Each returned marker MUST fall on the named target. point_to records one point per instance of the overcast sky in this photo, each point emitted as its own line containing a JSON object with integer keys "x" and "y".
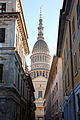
{"x": 50, "y": 15}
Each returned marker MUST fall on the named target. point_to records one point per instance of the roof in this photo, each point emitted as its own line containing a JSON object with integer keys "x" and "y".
{"x": 39, "y": 46}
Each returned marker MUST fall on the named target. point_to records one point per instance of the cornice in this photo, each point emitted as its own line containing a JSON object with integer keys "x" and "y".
{"x": 36, "y": 54}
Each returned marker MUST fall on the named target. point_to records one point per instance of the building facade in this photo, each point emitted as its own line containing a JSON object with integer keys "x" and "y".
{"x": 40, "y": 66}
{"x": 68, "y": 47}
{"x": 54, "y": 93}
{"x": 15, "y": 87}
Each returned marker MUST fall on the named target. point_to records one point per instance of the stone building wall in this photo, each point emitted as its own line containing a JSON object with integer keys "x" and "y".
{"x": 16, "y": 88}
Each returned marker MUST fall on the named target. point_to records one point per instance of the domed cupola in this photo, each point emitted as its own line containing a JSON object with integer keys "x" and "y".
{"x": 40, "y": 46}
{"x": 40, "y": 58}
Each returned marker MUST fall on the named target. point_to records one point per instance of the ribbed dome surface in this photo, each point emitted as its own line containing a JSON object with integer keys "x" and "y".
{"x": 40, "y": 45}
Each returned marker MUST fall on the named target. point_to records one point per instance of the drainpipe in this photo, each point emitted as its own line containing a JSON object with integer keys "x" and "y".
{"x": 72, "y": 74}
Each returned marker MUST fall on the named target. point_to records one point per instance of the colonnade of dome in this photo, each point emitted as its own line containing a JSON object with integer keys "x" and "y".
{"x": 38, "y": 73}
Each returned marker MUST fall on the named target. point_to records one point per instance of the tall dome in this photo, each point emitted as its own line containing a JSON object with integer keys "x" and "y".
{"x": 40, "y": 68}
{"x": 40, "y": 58}
{"x": 40, "y": 46}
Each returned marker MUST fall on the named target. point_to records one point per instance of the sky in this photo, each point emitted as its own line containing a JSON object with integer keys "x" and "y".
{"x": 50, "y": 16}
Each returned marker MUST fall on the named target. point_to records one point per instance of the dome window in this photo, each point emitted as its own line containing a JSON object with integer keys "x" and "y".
{"x": 37, "y": 74}
{"x": 43, "y": 74}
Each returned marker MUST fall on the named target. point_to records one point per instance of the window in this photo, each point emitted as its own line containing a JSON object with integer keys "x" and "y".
{"x": 37, "y": 74}
{"x": 65, "y": 84}
{"x": 2, "y": 7}
{"x": 43, "y": 73}
{"x": 39, "y": 94}
{"x": 18, "y": 81}
{"x": 73, "y": 28}
{"x": 64, "y": 58}
{"x": 2, "y": 35}
{"x": 78, "y": 14}
{"x": 1, "y": 72}
{"x": 75, "y": 63}
{"x": 67, "y": 48}
{"x": 68, "y": 76}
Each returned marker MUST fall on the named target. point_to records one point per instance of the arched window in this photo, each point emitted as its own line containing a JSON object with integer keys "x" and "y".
{"x": 39, "y": 94}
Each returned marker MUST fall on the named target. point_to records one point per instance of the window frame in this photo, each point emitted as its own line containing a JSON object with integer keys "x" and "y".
{"x": 2, "y": 34}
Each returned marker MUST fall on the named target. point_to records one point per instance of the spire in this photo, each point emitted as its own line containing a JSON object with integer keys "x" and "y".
{"x": 40, "y": 28}
{"x": 40, "y": 12}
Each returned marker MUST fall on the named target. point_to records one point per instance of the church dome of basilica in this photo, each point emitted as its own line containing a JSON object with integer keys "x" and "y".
{"x": 40, "y": 46}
